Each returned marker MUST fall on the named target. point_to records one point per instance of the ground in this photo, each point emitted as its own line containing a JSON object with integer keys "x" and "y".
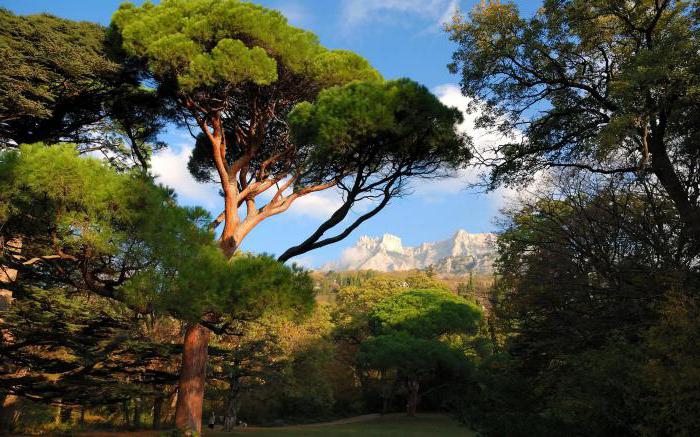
{"x": 393, "y": 425}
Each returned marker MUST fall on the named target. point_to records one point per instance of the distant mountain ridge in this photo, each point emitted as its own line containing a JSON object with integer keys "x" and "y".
{"x": 462, "y": 253}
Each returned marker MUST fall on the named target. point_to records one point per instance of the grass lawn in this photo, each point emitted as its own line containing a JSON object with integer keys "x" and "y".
{"x": 393, "y": 425}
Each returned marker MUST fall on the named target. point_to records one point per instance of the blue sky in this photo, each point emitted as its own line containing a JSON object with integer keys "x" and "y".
{"x": 401, "y": 38}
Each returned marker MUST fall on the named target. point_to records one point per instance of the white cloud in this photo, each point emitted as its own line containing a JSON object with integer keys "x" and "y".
{"x": 483, "y": 141}
{"x": 170, "y": 167}
{"x": 362, "y": 12}
{"x": 318, "y": 205}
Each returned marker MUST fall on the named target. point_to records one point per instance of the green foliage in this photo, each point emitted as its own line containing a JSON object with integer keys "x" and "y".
{"x": 78, "y": 349}
{"x": 615, "y": 85}
{"x": 412, "y": 357}
{"x": 385, "y": 123}
{"x": 204, "y": 44}
{"x": 415, "y": 339}
{"x": 361, "y": 298}
{"x": 82, "y": 203}
{"x": 52, "y": 68}
{"x": 79, "y": 210}
{"x": 243, "y": 288}
{"x": 671, "y": 367}
{"x": 61, "y": 82}
{"x": 425, "y": 314}
{"x": 581, "y": 297}
{"x": 356, "y": 302}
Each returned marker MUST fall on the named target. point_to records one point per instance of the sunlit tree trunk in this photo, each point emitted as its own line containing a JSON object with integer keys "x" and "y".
{"x": 8, "y": 275}
{"x": 188, "y": 412}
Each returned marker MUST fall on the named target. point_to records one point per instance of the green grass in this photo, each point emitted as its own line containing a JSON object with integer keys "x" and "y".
{"x": 399, "y": 426}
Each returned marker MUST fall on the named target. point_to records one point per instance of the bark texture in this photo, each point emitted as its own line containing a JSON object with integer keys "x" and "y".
{"x": 188, "y": 411}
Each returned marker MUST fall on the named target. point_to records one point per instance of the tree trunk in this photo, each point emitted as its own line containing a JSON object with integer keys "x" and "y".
{"x": 137, "y": 413}
{"x": 8, "y": 275}
{"x": 190, "y": 395}
{"x": 157, "y": 410}
{"x": 233, "y": 405}
{"x": 65, "y": 413}
{"x": 412, "y": 402}
{"x": 663, "y": 168}
{"x": 125, "y": 413}
{"x": 387, "y": 395}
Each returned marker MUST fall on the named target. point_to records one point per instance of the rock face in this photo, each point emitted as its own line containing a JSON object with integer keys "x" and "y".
{"x": 462, "y": 253}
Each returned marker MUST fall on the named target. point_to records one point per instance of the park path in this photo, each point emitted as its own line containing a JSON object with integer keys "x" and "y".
{"x": 217, "y": 431}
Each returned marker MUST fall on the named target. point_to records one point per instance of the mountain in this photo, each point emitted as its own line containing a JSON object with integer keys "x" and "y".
{"x": 461, "y": 253}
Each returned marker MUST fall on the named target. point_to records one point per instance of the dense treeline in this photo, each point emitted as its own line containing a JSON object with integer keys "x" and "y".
{"x": 597, "y": 297}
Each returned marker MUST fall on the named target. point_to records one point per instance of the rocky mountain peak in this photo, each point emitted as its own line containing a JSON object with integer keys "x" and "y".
{"x": 461, "y": 253}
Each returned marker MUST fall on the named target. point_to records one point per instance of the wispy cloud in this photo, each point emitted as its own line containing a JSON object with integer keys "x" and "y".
{"x": 363, "y": 12}
{"x": 295, "y": 12}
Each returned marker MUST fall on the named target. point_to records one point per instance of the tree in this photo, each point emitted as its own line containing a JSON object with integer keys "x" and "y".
{"x": 608, "y": 87}
{"x": 376, "y": 137}
{"x": 54, "y": 77}
{"x": 75, "y": 349}
{"x": 590, "y": 271}
{"x": 248, "y": 359}
{"x": 62, "y": 81}
{"x": 89, "y": 229}
{"x": 237, "y": 74}
{"x": 355, "y": 303}
{"x": 409, "y": 332}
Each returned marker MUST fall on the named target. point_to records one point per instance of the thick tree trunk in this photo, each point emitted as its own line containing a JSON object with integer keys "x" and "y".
{"x": 412, "y": 402}
{"x": 663, "y": 169}
{"x": 157, "y": 410}
{"x": 233, "y": 405}
{"x": 190, "y": 395}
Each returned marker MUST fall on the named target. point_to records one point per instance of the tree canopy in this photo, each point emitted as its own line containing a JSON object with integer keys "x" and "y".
{"x": 375, "y": 138}
{"x": 608, "y": 87}
{"x": 410, "y": 339}
{"x": 62, "y": 81}
{"x": 54, "y": 77}
{"x": 425, "y": 314}
{"x": 236, "y": 69}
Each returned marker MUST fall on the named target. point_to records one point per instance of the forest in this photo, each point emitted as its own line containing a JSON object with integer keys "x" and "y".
{"x": 124, "y": 310}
